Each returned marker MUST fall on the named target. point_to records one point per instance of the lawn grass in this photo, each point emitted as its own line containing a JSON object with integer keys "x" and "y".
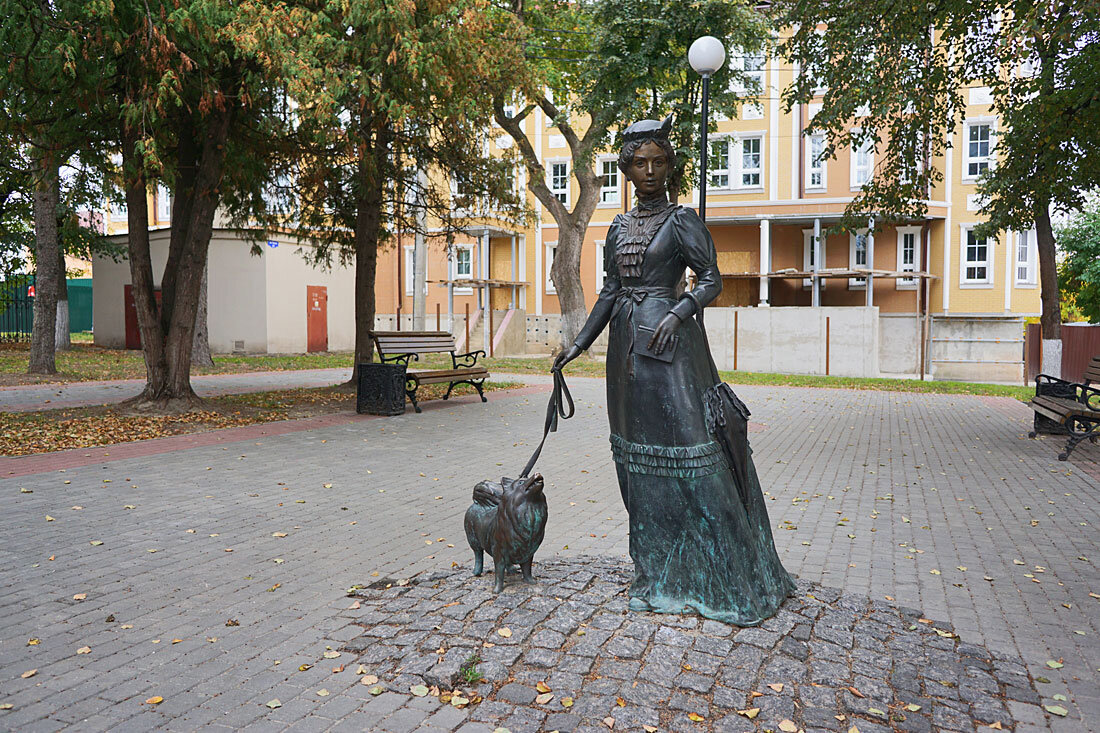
{"x": 24, "y": 433}
{"x": 85, "y": 362}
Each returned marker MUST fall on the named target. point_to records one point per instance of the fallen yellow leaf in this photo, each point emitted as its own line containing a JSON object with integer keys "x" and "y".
{"x": 544, "y": 698}
{"x": 84, "y": 650}
{"x": 504, "y": 631}
{"x": 155, "y": 700}
{"x": 777, "y": 686}
{"x": 749, "y": 713}
{"x": 29, "y": 673}
{"x": 696, "y": 717}
{"x": 787, "y": 726}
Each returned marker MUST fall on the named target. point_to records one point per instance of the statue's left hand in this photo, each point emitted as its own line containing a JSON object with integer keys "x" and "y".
{"x": 662, "y": 335}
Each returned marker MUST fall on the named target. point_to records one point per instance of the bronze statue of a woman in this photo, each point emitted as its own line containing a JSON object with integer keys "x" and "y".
{"x": 699, "y": 531}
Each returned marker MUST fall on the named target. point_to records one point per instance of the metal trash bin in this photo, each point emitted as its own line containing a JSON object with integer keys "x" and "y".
{"x": 380, "y": 389}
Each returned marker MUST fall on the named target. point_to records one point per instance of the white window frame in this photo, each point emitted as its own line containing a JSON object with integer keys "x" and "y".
{"x": 739, "y": 59}
{"x": 120, "y": 211}
{"x": 600, "y": 274}
{"x": 752, "y": 111}
{"x": 908, "y": 283}
{"x": 615, "y": 190}
{"x": 548, "y": 262}
{"x": 858, "y": 283}
{"x": 1031, "y": 252}
{"x": 740, "y": 161}
{"x": 727, "y": 171}
{"x": 868, "y": 149}
{"x": 409, "y": 275}
{"x": 809, "y": 166}
{"x": 455, "y": 275}
{"x": 164, "y": 204}
{"x": 558, "y": 192}
{"x": 807, "y": 256}
{"x": 989, "y": 159}
{"x": 990, "y": 245}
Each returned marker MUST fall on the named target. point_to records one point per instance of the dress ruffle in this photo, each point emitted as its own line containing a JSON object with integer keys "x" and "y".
{"x": 675, "y": 461}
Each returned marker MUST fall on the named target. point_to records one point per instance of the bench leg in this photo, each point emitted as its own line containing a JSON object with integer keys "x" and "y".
{"x": 1076, "y": 437}
{"x": 411, "y": 392}
{"x": 450, "y": 387}
{"x": 477, "y": 386}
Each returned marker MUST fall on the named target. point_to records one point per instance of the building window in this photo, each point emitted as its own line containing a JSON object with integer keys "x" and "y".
{"x": 1025, "y": 258}
{"x": 863, "y": 163}
{"x": 599, "y": 265}
{"x": 815, "y": 163}
{"x": 752, "y": 112}
{"x": 857, "y": 257}
{"x": 464, "y": 262}
{"x": 119, "y": 210}
{"x": 808, "y": 256}
{"x": 979, "y": 148}
{"x": 976, "y": 265}
{"x": 410, "y": 264}
{"x": 750, "y": 161}
{"x": 908, "y": 254}
{"x": 559, "y": 181}
{"x": 752, "y": 68}
{"x": 719, "y": 163}
{"x": 551, "y": 252}
{"x": 609, "y": 182}
{"x": 164, "y": 204}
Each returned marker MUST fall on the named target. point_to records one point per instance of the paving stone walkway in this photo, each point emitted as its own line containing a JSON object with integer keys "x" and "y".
{"x": 938, "y": 502}
{"x": 566, "y": 655}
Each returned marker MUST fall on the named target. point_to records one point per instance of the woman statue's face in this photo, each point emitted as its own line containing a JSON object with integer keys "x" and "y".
{"x": 648, "y": 169}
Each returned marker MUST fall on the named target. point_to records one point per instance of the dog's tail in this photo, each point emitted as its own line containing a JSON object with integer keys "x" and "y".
{"x": 488, "y": 493}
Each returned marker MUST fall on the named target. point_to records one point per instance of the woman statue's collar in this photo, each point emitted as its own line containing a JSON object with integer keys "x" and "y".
{"x": 652, "y": 204}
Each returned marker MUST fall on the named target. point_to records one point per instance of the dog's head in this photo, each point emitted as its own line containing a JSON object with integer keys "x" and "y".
{"x": 523, "y": 489}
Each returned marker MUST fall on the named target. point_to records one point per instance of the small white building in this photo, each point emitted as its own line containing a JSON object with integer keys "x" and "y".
{"x": 273, "y": 302}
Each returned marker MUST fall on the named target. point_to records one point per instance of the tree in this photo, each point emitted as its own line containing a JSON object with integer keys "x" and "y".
{"x": 190, "y": 100}
{"x": 908, "y": 68}
{"x": 596, "y": 66}
{"x": 386, "y": 91}
{"x": 1079, "y": 273}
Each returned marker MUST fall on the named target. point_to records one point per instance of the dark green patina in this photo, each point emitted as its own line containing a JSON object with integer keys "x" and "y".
{"x": 700, "y": 536}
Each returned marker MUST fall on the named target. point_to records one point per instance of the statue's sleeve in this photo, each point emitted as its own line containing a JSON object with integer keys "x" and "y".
{"x": 698, "y": 251}
{"x": 605, "y": 303}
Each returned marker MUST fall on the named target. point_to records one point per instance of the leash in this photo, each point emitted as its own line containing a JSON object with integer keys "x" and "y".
{"x": 559, "y": 398}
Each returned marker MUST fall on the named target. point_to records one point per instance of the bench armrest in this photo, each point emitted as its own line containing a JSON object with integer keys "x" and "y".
{"x": 468, "y": 359}
{"x": 402, "y": 359}
{"x": 1089, "y": 397}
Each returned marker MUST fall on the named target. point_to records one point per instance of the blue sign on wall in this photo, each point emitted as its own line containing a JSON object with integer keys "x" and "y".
{"x": 272, "y": 243}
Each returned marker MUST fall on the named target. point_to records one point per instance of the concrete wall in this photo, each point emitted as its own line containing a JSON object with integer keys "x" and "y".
{"x": 288, "y": 274}
{"x": 792, "y": 340}
{"x": 899, "y": 345}
{"x": 980, "y": 349}
{"x": 236, "y": 296}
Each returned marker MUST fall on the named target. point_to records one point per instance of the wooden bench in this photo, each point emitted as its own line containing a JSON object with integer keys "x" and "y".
{"x": 401, "y": 347}
{"x": 1075, "y": 407}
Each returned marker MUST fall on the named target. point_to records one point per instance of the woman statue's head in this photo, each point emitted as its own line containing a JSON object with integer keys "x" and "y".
{"x": 647, "y": 156}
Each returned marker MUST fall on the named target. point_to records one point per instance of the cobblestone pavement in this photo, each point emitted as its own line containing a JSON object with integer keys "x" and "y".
{"x": 566, "y": 655}
{"x": 937, "y": 501}
{"x": 31, "y": 397}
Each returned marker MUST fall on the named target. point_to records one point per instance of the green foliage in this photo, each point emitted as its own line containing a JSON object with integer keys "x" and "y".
{"x": 469, "y": 670}
{"x": 1079, "y": 271}
{"x": 1040, "y": 60}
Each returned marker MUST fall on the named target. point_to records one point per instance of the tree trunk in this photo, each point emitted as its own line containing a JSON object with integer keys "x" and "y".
{"x": 141, "y": 271}
{"x": 200, "y": 348}
{"x": 1051, "y": 318}
{"x": 46, "y": 198}
{"x": 565, "y": 273}
{"x": 62, "y": 342}
{"x": 368, "y": 223}
{"x": 193, "y": 211}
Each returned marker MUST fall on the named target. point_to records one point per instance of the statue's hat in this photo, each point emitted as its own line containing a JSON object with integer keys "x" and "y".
{"x": 647, "y": 129}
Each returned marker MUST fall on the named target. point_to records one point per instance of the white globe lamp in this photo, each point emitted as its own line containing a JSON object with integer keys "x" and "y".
{"x": 706, "y": 55}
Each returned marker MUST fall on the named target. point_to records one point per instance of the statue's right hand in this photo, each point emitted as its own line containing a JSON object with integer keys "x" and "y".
{"x": 565, "y": 357}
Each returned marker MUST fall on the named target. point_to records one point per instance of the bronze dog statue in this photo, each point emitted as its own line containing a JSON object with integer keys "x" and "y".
{"x": 507, "y": 520}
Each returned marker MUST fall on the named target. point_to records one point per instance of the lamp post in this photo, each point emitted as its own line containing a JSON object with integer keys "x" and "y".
{"x": 706, "y": 56}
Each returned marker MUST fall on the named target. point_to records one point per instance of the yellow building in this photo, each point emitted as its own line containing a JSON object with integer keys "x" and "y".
{"x": 959, "y": 316}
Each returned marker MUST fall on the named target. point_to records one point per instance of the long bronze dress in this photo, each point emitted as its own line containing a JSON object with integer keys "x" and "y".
{"x": 697, "y": 544}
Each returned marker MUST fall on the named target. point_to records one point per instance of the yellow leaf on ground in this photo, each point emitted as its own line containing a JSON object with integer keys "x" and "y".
{"x": 542, "y": 687}
{"x": 274, "y": 703}
{"x": 84, "y": 650}
{"x": 777, "y": 686}
{"x": 331, "y": 654}
{"x": 620, "y": 702}
{"x": 544, "y": 698}
{"x": 787, "y": 726}
{"x": 696, "y": 717}
{"x": 750, "y": 713}
{"x": 609, "y": 722}
{"x": 278, "y": 534}
{"x": 567, "y": 702}
{"x": 49, "y": 518}
{"x": 369, "y": 680}
{"x": 33, "y": 642}
{"x": 323, "y": 692}
{"x": 29, "y": 673}
{"x": 80, "y": 596}
{"x": 155, "y": 700}
{"x": 504, "y": 631}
